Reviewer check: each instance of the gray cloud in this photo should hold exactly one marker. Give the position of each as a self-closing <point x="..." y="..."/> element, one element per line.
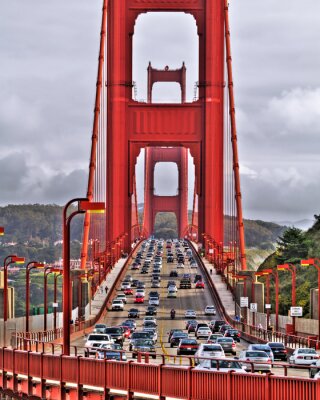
<point x="48" y="53"/>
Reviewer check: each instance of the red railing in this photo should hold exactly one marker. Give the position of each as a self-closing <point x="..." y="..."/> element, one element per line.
<point x="152" y="379"/>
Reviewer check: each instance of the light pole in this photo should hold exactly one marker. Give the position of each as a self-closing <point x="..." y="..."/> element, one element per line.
<point x="293" y="270"/>
<point x="56" y="276"/>
<point x="316" y="263"/>
<point x="31" y="265"/>
<point x="83" y="206"/>
<point x="268" y="273"/>
<point x="48" y="270"/>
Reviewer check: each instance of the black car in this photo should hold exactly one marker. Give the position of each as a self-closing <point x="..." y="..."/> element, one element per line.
<point x="170" y="259"/>
<point x="234" y="333"/>
<point x="134" y="283"/>
<point x="224" y="328"/>
<point x="197" y="278"/>
<point x="173" y="274"/>
<point x="133" y="313"/>
<point x="116" y="333"/>
<point x="151" y="310"/>
<point x="176" y="337"/>
<point x="279" y="351"/>
<point x="172" y="331"/>
<point x="187" y="346"/>
<point x="216" y="326"/>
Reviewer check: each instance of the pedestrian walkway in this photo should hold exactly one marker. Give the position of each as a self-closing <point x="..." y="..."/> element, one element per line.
<point x="224" y="294"/>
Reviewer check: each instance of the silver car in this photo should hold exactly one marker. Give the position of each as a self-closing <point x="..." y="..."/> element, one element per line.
<point x="261" y="360"/>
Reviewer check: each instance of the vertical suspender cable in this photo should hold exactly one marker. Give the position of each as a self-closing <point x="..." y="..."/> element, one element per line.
<point x="234" y="140"/>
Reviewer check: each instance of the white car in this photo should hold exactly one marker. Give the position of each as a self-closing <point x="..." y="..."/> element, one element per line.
<point x="95" y="340"/>
<point x="173" y="287"/>
<point x="125" y="285"/>
<point x="190" y="314"/>
<point x="303" y="357"/>
<point x="149" y="318"/>
<point x="210" y="310"/>
<point x="117" y="305"/>
<point x="193" y="265"/>
<point x="171" y="294"/>
<point x="224" y="366"/>
<point x="208" y="350"/>
<point x="154" y="301"/>
<point x="203" y="332"/>
<point x="122" y="297"/>
<point x="141" y="292"/>
<point x="180" y="265"/>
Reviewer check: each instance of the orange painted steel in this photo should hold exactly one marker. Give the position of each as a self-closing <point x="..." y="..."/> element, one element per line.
<point x="234" y="139"/>
<point x="150" y="379"/>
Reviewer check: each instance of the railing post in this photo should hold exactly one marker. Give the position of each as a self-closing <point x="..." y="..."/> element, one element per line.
<point x="79" y="386"/>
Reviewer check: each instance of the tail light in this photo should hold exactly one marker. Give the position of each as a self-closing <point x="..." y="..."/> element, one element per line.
<point x="238" y="334"/>
<point x="315" y="357"/>
<point x="300" y="357"/>
<point x="233" y="344"/>
<point x="269" y="361"/>
<point x="285" y="351"/>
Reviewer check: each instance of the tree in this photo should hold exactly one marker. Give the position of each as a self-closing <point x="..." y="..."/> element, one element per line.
<point x="292" y="246"/>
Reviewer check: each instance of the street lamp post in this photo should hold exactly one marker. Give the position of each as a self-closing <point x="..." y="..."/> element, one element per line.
<point x="267" y="273"/>
<point x="48" y="270"/>
<point x="293" y="270"/>
<point x="56" y="276"/>
<point x="31" y="265"/>
<point x="316" y="263"/>
<point x="84" y="205"/>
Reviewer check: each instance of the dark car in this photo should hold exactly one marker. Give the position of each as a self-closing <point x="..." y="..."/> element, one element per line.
<point x="234" y="333"/>
<point x="216" y="326"/>
<point x="128" y="325"/>
<point x="133" y="313"/>
<point x="134" y="283"/>
<point x="279" y="351"/>
<point x="116" y="333"/>
<point x="173" y="274"/>
<point x="224" y="328"/>
<point x="192" y="326"/>
<point x="171" y="283"/>
<point x="151" y="310"/>
<point x="144" y="270"/>
<point x="176" y="337"/>
<point x="143" y="346"/>
<point x="185" y="284"/>
<point x="170" y="259"/>
<point x="187" y="346"/>
<point x="197" y="278"/>
<point x="138" y="336"/>
<point x="172" y="332"/>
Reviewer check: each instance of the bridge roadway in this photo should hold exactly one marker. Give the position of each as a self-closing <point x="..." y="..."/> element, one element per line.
<point x="196" y="299"/>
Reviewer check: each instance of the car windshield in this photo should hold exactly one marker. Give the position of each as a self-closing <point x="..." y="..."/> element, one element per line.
<point x="139" y="335"/>
<point x="133" y="310"/>
<point x="307" y="351"/>
<point x="226" y="364"/>
<point x="114" y="330"/>
<point x="211" y="347"/>
<point x="260" y="354"/>
<point x="98" y="337"/>
<point x="117" y="302"/>
<point x="180" y="334"/>
<point x="144" y="343"/>
<point x="276" y="345"/>
<point x="188" y="341"/>
<point x="225" y="340"/>
<point x="232" y="332"/>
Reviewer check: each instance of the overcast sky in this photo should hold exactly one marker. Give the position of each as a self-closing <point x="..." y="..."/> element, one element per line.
<point x="48" y="64"/>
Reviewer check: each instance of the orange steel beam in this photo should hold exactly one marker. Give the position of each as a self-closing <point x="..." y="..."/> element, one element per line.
<point x="94" y="138"/>
<point x="234" y="140"/>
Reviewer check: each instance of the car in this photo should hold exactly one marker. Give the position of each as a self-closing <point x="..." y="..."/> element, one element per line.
<point x="176" y="337"/>
<point x="192" y="325"/>
<point x="113" y="352"/>
<point x="203" y="332"/>
<point x="187" y="346"/>
<point x="125" y="285"/>
<point x="133" y="313"/>
<point x="202" y="325"/>
<point x="305" y="356"/>
<point x="134" y="283"/>
<point x="314" y="371"/>
<point x="234" y="333"/>
<point x="144" y="270"/>
<point x="117" y="305"/>
<point x="173" y="274"/>
<point x="170" y="259"/>
<point x="193" y="265"/>
<point x="213" y="337"/>
<point x="99" y="328"/>
<point x="173" y="286"/>
<point x="151" y="310"/>
<point x="153" y="335"/>
<point x="141" y="285"/>
<point x="209" y="310"/>
<point x="156" y="271"/>
<point x="139" y="299"/>
<point x="185" y="283"/>
<point x="262" y="347"/>
<point x="128" y="278"/>
<point x="116" y="333"/>
<point x="261" y="360"/>
<point x="279" y="351"/>
<point x="149" y="318"/>
<point x="140" y="292"/>
<point x="154" y="301"/>
<point x="138" y="335"/>
<point x="172" y="294"/>
<point x="127" y="325"/>
<point x="135" y="266"/>
<point x="200" y="285"/>
<point x="172" y="331"/>
<point x="155" y="284"/>
<point x="171" y="283"/>
<point x="208" y="350"/>
<point x="94" y="340"/>
<point x="216" y="326"/>
<point x="221" y="366"/>
<point x="197" y="278"/>
<point x="224" y="328"/>
<point x="130" y="322"/>
<point x="180" y="265"/>
<point x="228" y="345"/>
<point x="128" y="291"/>
<point x="190" y="314"/>
<point x="122" y="297"/>
<point x="149" y="325"/>
<point x="143" y="346"/>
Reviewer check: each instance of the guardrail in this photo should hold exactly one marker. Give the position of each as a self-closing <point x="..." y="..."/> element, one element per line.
<point x="252" y="333"/>
<point x="50" y="335"/>
<point x="44" y="371"/>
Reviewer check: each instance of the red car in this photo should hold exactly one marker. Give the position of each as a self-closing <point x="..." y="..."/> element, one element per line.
<point x="139" y="299"/>
<point x="128" y="291"/>
<point x="200" y="285"/>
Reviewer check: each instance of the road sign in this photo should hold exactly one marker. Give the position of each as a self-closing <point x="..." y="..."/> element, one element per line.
<point x="296" y="311"/>
<point x="268" y="306"/>
<point x="244" y="301"/>
<point x="253" y="307"/>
